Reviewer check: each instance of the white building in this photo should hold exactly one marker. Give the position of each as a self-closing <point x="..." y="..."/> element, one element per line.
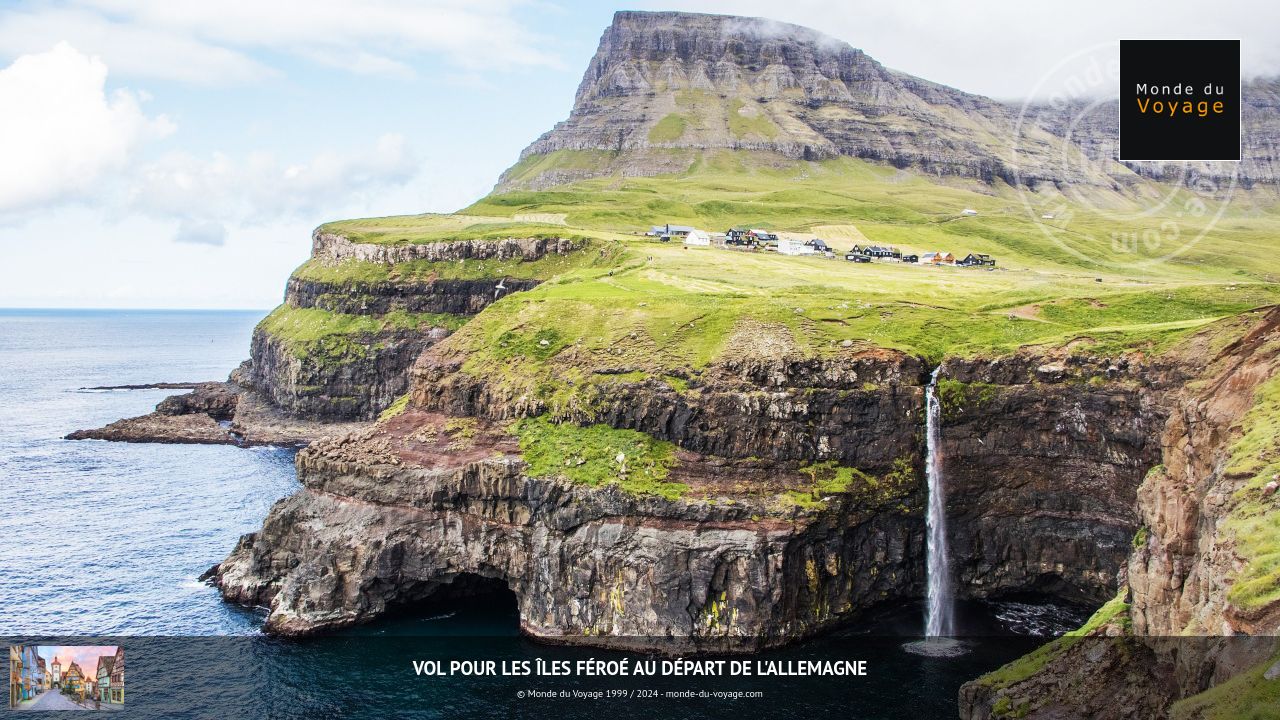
<point x="697" y="237"/>
<point x="794" y="246"/>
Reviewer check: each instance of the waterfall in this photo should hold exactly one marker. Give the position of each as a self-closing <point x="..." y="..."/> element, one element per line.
<point x="938" y="617"/>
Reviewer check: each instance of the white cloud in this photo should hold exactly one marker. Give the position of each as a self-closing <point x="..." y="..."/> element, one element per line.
<point x="64" y="138"/>
<point x="261" y="188"/>
<point x="60" y="133"/>
<point x="129" y="48"/>
<point x="200" y="41"/>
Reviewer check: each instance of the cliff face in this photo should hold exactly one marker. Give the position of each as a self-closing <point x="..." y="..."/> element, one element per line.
<point x="1200" y="609"/>
<point x="861" y="410"/>
<point x="355" y="381"/>
<point x="341" y="346"/>
<point x="392" y="516"/>
<point x="1043" y="458"/>
<point x="395" y="516"/>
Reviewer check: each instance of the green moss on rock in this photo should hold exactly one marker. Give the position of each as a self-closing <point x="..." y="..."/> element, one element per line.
<point x="325" y="337"/>
<point x="598" y="455"/>
<point x="955" y="396"/>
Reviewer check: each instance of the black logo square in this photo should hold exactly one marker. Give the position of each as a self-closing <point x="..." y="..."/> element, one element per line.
<point x="1179" y="100"/>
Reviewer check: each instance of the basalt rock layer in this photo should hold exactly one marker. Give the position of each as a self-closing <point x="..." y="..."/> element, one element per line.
<point x="861" y="409"/>
<point x="396" y="516"/>
<point x="455" y="297"/>
<point x="1069" y="439"/>
<point x="1178" y="630"/>
<point x="342" y="374"/>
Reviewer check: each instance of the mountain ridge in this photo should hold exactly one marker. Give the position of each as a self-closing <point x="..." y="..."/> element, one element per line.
<point x="663" y="87"/>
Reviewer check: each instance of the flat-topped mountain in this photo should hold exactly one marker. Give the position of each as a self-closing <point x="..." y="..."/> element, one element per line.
<point x="679" y="81"/>
<point x="664" y="86"/>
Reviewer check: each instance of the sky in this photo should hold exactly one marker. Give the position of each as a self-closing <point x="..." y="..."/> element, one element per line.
<point x="178" y="153"/>
<point x="86" y="656"/>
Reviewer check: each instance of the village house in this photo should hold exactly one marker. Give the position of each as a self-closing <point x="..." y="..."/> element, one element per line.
<point x="102" y="688"/>
<point x="42" y="674"/>
<point x="30" y="672"/>
<point x="877" y="251"/>
<point x="791" y="244"/>
<point x="749" y="237"/>
<point x="697" y="237"/>
<point x="666" y="232"/>
<point x="73" y="678"/>
<point x="15" y="676"/>
<point x="973" y="259"/>
<point x="117" y="676"/>
<point x="820" y="246"/>
<point x="937" y="258"/>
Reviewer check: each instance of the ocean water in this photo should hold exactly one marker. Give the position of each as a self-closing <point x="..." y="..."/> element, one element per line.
<point x="101" y="543"/>
<point x="108" y="538"/>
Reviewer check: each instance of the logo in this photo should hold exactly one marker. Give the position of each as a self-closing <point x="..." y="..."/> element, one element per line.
<point x="1180" y="100"/>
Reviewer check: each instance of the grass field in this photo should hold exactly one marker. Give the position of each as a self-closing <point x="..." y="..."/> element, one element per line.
<point x="663" y="308"/>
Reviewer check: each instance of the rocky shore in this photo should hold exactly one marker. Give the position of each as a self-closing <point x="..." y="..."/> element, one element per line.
<point x="217" y="413"/>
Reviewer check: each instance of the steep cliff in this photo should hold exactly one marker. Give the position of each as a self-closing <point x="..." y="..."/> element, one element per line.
<point x="355" y="317"/>
<point x="1202" y="605"/>
<point x="589" y="565"/>
<point x="1044" y="453"/>
<point x="790" y="489"/>
<point x="358" y="314"/>
<point x="629" y="540"/>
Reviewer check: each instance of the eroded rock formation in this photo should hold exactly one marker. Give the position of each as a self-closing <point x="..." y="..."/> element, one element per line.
<point x="395" y="515"/>
<point x="400" y="513"/>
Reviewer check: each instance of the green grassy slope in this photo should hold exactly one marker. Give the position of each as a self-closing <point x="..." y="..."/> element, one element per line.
<point x="662" y="308"/>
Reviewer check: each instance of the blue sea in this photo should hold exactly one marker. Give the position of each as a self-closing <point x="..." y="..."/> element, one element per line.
<point x="101" y="543"/>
